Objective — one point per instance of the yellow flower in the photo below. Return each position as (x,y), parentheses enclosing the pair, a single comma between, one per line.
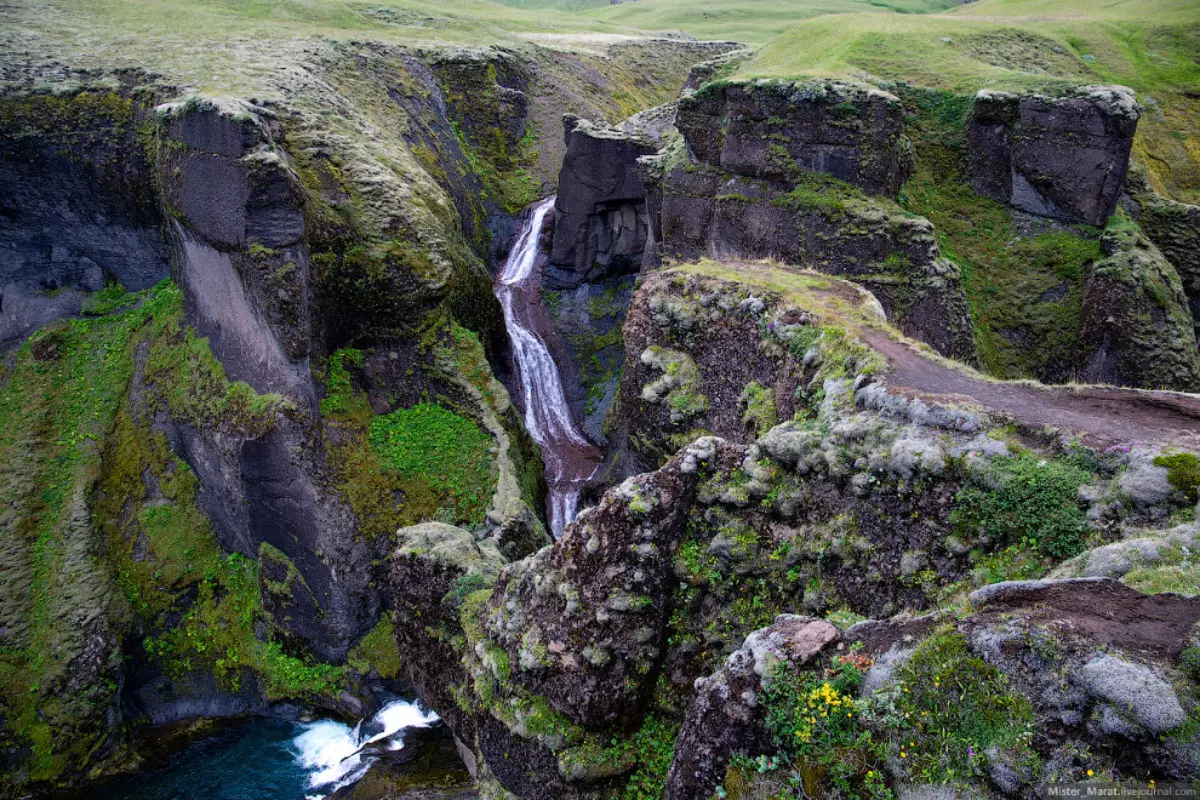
(903,754)
(1090,773)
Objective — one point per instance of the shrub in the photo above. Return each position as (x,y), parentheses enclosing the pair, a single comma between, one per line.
(1035,505)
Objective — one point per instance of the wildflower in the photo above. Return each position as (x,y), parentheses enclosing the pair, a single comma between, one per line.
(1090,773)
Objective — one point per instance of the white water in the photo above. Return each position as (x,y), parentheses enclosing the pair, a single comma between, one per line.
(332,752)
(570,459)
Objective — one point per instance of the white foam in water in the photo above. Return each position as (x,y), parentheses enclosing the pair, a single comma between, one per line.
(330,751)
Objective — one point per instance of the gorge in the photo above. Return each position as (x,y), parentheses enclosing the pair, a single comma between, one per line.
(512,399)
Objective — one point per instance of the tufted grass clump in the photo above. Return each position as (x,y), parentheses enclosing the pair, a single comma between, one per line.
(1033,505)
(1183,472)
(948,707)
(449,453)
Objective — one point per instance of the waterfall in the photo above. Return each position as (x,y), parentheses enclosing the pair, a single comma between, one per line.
(332,753)
(570,459)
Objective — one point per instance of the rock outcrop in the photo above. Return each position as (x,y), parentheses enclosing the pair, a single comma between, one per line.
(78,214)
(775,130)
(726,718)
(1175,230)
(738,192)
(600,211)
(1136,329)
(1061,157)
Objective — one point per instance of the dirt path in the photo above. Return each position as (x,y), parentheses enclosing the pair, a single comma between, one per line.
(1102,416)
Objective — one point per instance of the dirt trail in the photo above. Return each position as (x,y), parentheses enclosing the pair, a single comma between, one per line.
(1102,416)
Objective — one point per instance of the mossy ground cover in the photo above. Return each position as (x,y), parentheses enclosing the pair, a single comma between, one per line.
(427,461)
(1024,287)
(450,453)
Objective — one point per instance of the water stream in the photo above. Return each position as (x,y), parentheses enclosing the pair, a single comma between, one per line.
(269,759)
(570,459)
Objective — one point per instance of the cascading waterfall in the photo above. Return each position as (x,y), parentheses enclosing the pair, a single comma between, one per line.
(336,755)
(570,459)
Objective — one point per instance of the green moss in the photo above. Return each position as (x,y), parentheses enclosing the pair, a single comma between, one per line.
(1024,289)
(1034,505)
(377,651)
(760,413)
(816,191)
(341,399)
(1183,471)
(448,453)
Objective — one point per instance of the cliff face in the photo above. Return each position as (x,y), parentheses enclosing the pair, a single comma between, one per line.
(790,186)
(1137,329)
(212,537)
(600,210)
(1062,157)
(772,129)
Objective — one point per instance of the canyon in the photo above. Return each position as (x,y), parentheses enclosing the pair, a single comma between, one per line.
(449,409)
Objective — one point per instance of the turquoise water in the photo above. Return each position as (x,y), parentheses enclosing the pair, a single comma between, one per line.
(251,760)
(268,759)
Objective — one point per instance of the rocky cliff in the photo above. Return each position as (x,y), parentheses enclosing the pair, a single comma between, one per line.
(789,176)
(1062,157)
(575,671)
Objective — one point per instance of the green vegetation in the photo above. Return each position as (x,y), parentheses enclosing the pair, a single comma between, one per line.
(1183,471)
(1023,45)
(815,722)
(951,706)
(1025,288)
(945,708)
(377,651)
(74,451)
(449,454)
(1034,506)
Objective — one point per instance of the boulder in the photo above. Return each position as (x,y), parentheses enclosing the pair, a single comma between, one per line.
(776,130)
(725,718)
(1059,157)
(1134,692)
(600,223)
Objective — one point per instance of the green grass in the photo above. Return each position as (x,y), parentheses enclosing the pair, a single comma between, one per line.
(449,453)
(990,44)
(749,21)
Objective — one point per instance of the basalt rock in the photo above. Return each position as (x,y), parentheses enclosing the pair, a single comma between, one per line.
(1136,327)
(726,717)
(600,212)
(776,129)
(77,210)
(582,622)
(1060,157)
(1175,230)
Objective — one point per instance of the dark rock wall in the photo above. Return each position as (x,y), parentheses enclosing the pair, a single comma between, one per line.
(77,212)
(1137,330)
(1062,157)
(697,212)
(600,211)
(776,129)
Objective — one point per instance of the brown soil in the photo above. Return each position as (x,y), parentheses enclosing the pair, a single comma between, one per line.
(1106,612)
(1101,416)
